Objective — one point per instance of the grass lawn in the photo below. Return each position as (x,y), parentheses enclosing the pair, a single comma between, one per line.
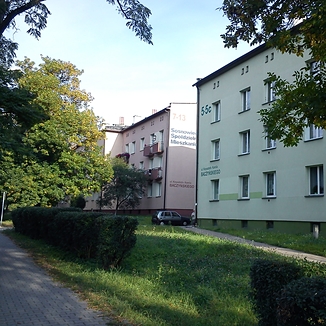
(302,242)
(172,277)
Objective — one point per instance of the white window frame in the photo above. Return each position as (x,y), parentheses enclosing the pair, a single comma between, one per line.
(269,142)
(142,144)
(141,165)
(245,142)
(316,180)
(215,189)
(132,147)
(313,132)
(127,148)
(244,187)
(270,182)
(152,139)
(149,190)
(159,189)
(270,95)
(245,99)
(217,111)
(216,149)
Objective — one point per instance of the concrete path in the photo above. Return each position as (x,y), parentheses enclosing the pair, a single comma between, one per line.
(29,297)
(281,251)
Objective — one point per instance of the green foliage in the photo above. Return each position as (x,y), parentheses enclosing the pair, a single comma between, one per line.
(79,202)
(291,26)
(61,155)
(125,188)
(297,105)
(116,239)
(302,302)
(267,278)
(34,221)
(103,238)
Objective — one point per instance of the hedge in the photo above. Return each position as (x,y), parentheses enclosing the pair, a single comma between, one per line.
(104,238)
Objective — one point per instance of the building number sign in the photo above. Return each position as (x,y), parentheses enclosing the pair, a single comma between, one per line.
(205,109)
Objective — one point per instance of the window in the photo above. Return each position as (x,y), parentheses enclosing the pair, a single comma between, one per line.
(150,190)
(316,180)
(127,148)
(270,143)
(216,149)
(270,181)
(161,135)
(269,225)
(159,189)
(217,111)
(245,142)
(141,165)
(270,91)
(142,144)
(313,132)
(244,187)
(150,163)
(215,189)
(152,139)
(244,224)
(245,100)
(132,147)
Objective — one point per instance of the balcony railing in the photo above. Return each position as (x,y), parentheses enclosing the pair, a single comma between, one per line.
(156,148)
(154,174)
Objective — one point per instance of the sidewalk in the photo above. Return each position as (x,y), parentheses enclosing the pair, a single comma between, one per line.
(29,297)
(264,246)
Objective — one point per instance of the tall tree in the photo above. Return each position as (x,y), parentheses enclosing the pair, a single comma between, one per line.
(291,26)
(62,156)
(126,187)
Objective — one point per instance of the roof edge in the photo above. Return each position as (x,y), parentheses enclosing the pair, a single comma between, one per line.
(232,64)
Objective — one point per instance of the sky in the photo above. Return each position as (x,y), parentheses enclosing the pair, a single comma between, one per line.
(126,76)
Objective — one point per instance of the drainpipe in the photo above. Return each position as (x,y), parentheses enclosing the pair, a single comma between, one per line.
(166,159)
(197,153)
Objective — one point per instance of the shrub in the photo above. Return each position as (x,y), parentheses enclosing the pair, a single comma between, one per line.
(116,239)
(302,302)
(267,278)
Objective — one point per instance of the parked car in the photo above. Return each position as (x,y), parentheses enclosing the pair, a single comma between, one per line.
(170,217)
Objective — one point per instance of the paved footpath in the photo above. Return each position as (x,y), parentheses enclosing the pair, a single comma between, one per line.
(29,297)
(264,246)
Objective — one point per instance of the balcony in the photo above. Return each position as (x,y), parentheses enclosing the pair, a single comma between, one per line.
(147,151)
(154,174)
(156,148)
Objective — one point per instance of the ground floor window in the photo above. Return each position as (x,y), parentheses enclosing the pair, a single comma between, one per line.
(244,187)
(215,189)
(316,180)
(270,181)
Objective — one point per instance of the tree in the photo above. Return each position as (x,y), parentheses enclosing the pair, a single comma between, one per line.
(126,187)
(18,113)
(36,15)
(291,26)
(61,156)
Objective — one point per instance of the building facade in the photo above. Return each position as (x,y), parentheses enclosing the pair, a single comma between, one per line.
(244,178)
(164,146)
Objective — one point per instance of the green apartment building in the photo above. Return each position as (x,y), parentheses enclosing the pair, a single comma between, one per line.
(245,179)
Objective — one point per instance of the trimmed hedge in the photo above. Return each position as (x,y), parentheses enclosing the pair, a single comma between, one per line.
(267,278)
(107,239)
(302,302)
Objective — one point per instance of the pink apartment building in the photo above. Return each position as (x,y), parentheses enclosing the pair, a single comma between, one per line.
(164,146)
